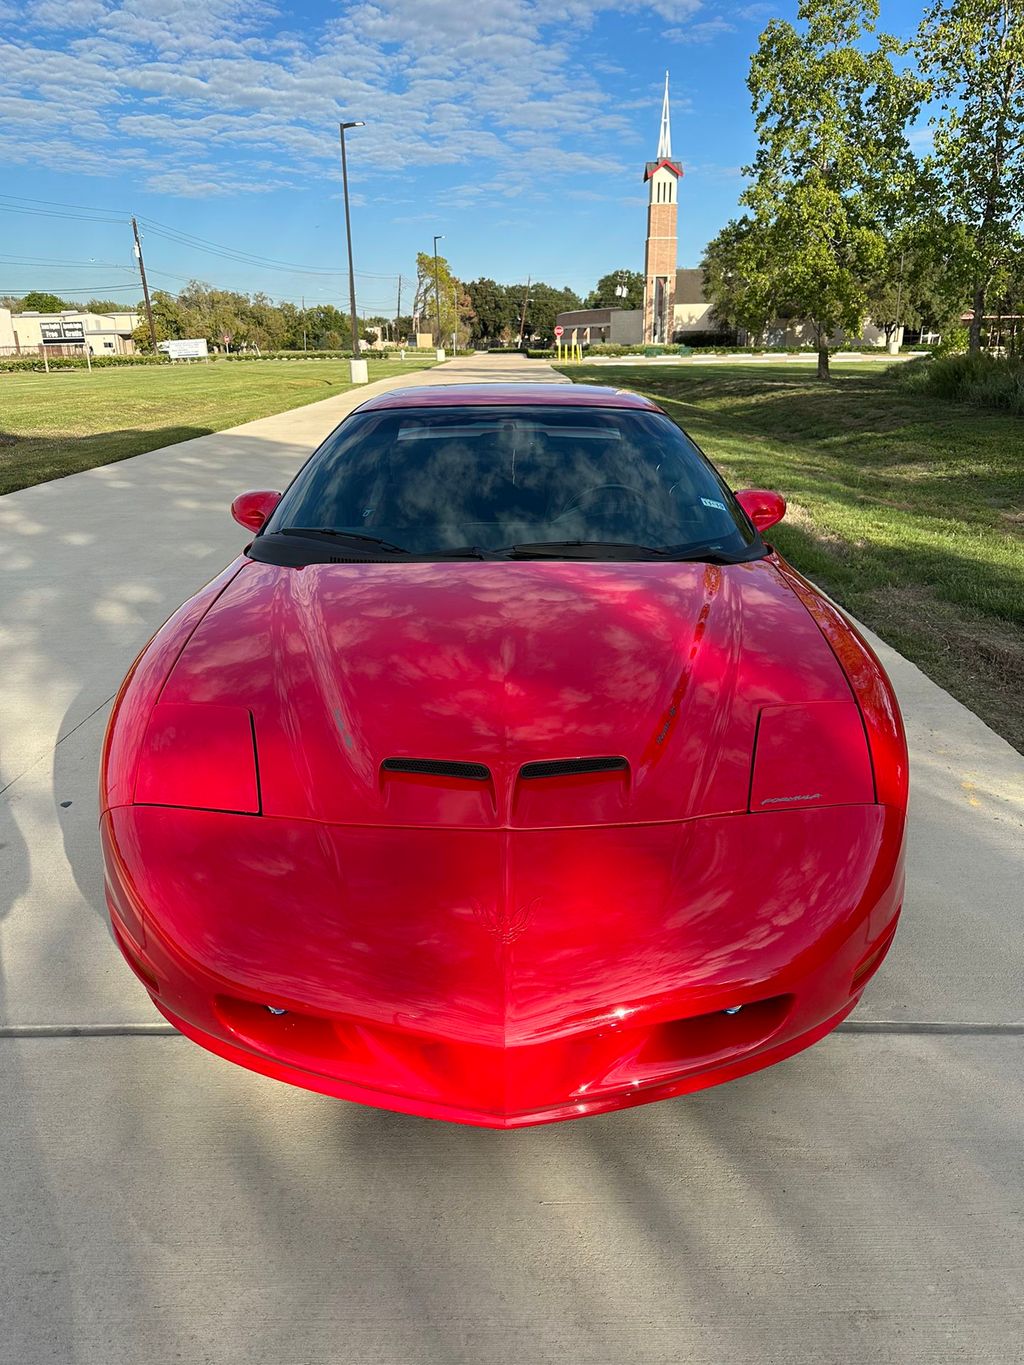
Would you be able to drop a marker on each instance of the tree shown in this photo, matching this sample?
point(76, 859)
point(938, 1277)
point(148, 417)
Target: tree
point(111, 306)
point(434, 289)
point(833, 160)
point(494, 308)
point(921, 279)
point(738, 278)
point(603, 295)
point(37, 302)
point(328, 328)
point(169, 321)
point(972, 53)
point(545, 303)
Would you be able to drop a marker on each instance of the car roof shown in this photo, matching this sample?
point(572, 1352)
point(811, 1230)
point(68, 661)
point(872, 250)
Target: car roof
point(509, 395)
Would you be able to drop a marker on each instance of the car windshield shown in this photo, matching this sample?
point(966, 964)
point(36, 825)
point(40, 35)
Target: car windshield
point(552, 481)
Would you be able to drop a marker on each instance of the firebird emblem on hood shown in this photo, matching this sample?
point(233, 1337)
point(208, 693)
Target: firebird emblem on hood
point(503, 923)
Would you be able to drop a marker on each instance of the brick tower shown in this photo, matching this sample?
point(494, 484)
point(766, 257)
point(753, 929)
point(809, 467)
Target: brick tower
point(662, 177)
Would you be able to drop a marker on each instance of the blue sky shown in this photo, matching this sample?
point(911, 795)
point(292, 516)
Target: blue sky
point(517, 128)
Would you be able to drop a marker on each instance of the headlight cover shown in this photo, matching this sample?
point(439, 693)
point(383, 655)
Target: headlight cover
point(811, 754)
point(201, 757)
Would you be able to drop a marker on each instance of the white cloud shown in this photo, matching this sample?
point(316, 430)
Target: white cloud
point(169, 84)
point(705, 32)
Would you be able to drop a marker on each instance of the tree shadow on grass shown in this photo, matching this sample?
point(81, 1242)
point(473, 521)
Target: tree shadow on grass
point(29, 460)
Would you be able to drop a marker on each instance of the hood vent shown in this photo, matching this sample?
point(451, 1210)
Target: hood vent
point(438, 767)
point(572, 767)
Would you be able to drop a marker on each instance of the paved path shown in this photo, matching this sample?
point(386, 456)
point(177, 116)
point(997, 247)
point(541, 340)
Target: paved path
point(861, 1202)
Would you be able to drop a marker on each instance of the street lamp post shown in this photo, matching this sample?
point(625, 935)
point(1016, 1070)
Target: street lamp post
point(437, 287)
point(357, 366)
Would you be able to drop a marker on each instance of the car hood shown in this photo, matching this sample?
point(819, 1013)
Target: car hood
point(504, 664)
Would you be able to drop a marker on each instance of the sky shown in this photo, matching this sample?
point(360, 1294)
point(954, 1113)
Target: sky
point(517, 128)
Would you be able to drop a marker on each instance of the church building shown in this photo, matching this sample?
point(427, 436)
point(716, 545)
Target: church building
point(674, 302)
point(675, 310)
point(662, 178)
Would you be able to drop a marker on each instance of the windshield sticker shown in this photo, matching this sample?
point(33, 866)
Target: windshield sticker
point(710, 502)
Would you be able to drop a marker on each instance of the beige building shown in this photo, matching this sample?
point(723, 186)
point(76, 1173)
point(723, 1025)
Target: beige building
point(69, 332)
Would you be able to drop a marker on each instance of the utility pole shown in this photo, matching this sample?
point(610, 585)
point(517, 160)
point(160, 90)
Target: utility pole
point(357, 366)
point(398, 312)
point(303, 298)
point(526, 304)
point(145, 286)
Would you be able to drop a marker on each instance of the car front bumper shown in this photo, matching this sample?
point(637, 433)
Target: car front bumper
point(512, 978)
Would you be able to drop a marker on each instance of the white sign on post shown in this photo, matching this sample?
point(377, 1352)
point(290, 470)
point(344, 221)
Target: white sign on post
point(186, 350)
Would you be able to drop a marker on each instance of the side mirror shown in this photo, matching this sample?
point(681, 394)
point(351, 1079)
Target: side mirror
point(251, 510)
point(763, 508)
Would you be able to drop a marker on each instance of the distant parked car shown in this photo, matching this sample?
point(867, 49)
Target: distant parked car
point(508, 775)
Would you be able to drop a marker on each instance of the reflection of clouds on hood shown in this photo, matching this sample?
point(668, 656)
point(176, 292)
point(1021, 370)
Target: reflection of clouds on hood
point(434, 480)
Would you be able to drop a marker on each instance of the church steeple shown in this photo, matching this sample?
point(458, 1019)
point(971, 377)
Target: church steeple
point(662, 177)
point(665, 139)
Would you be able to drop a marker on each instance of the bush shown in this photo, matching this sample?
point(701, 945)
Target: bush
point(954, 342)
point(611, 348)
point(707, 339)
point(12, 363)
point(282, 355)
point(539, 354)
point(985, 380)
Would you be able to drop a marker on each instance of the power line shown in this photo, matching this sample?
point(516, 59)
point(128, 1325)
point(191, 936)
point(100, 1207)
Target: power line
point(75, 265)
point(246, 257)
point(49, 213)
point(58, 204)
point(67, 289)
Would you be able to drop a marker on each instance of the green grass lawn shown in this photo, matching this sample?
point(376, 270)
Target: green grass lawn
point(63, 422)
point(908, 510)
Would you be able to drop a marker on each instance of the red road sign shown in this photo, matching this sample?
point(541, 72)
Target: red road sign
point(559, 331)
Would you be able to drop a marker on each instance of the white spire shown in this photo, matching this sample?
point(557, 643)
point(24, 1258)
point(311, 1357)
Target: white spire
point(665, 138)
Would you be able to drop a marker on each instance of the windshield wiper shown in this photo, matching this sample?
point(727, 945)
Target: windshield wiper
point(463, 552)
point(612, 549)
point(349, 537)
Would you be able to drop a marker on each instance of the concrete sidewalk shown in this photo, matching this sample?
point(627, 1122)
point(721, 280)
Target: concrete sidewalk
point(859, 1202)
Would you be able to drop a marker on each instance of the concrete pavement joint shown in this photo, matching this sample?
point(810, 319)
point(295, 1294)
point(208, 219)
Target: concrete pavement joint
point(84, 721)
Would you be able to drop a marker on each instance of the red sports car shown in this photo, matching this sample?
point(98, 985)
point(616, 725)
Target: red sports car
point(508, 775)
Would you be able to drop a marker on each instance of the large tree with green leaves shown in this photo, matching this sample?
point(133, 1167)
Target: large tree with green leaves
point(436, 289)
point(922, 276)
point(604, 295)
point(739, 279)
point(496, 317)
point(833, 163)
point(545, 303)
point(38, 302)
point(972, 53)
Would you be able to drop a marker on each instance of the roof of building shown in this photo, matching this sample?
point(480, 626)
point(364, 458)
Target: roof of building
point(690, 286)
point(510, 395)
point(593, 317)
point(672, 166)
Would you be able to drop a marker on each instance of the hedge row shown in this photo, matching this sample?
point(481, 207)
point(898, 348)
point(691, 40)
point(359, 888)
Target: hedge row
point(99, 362)
point(104, 362)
